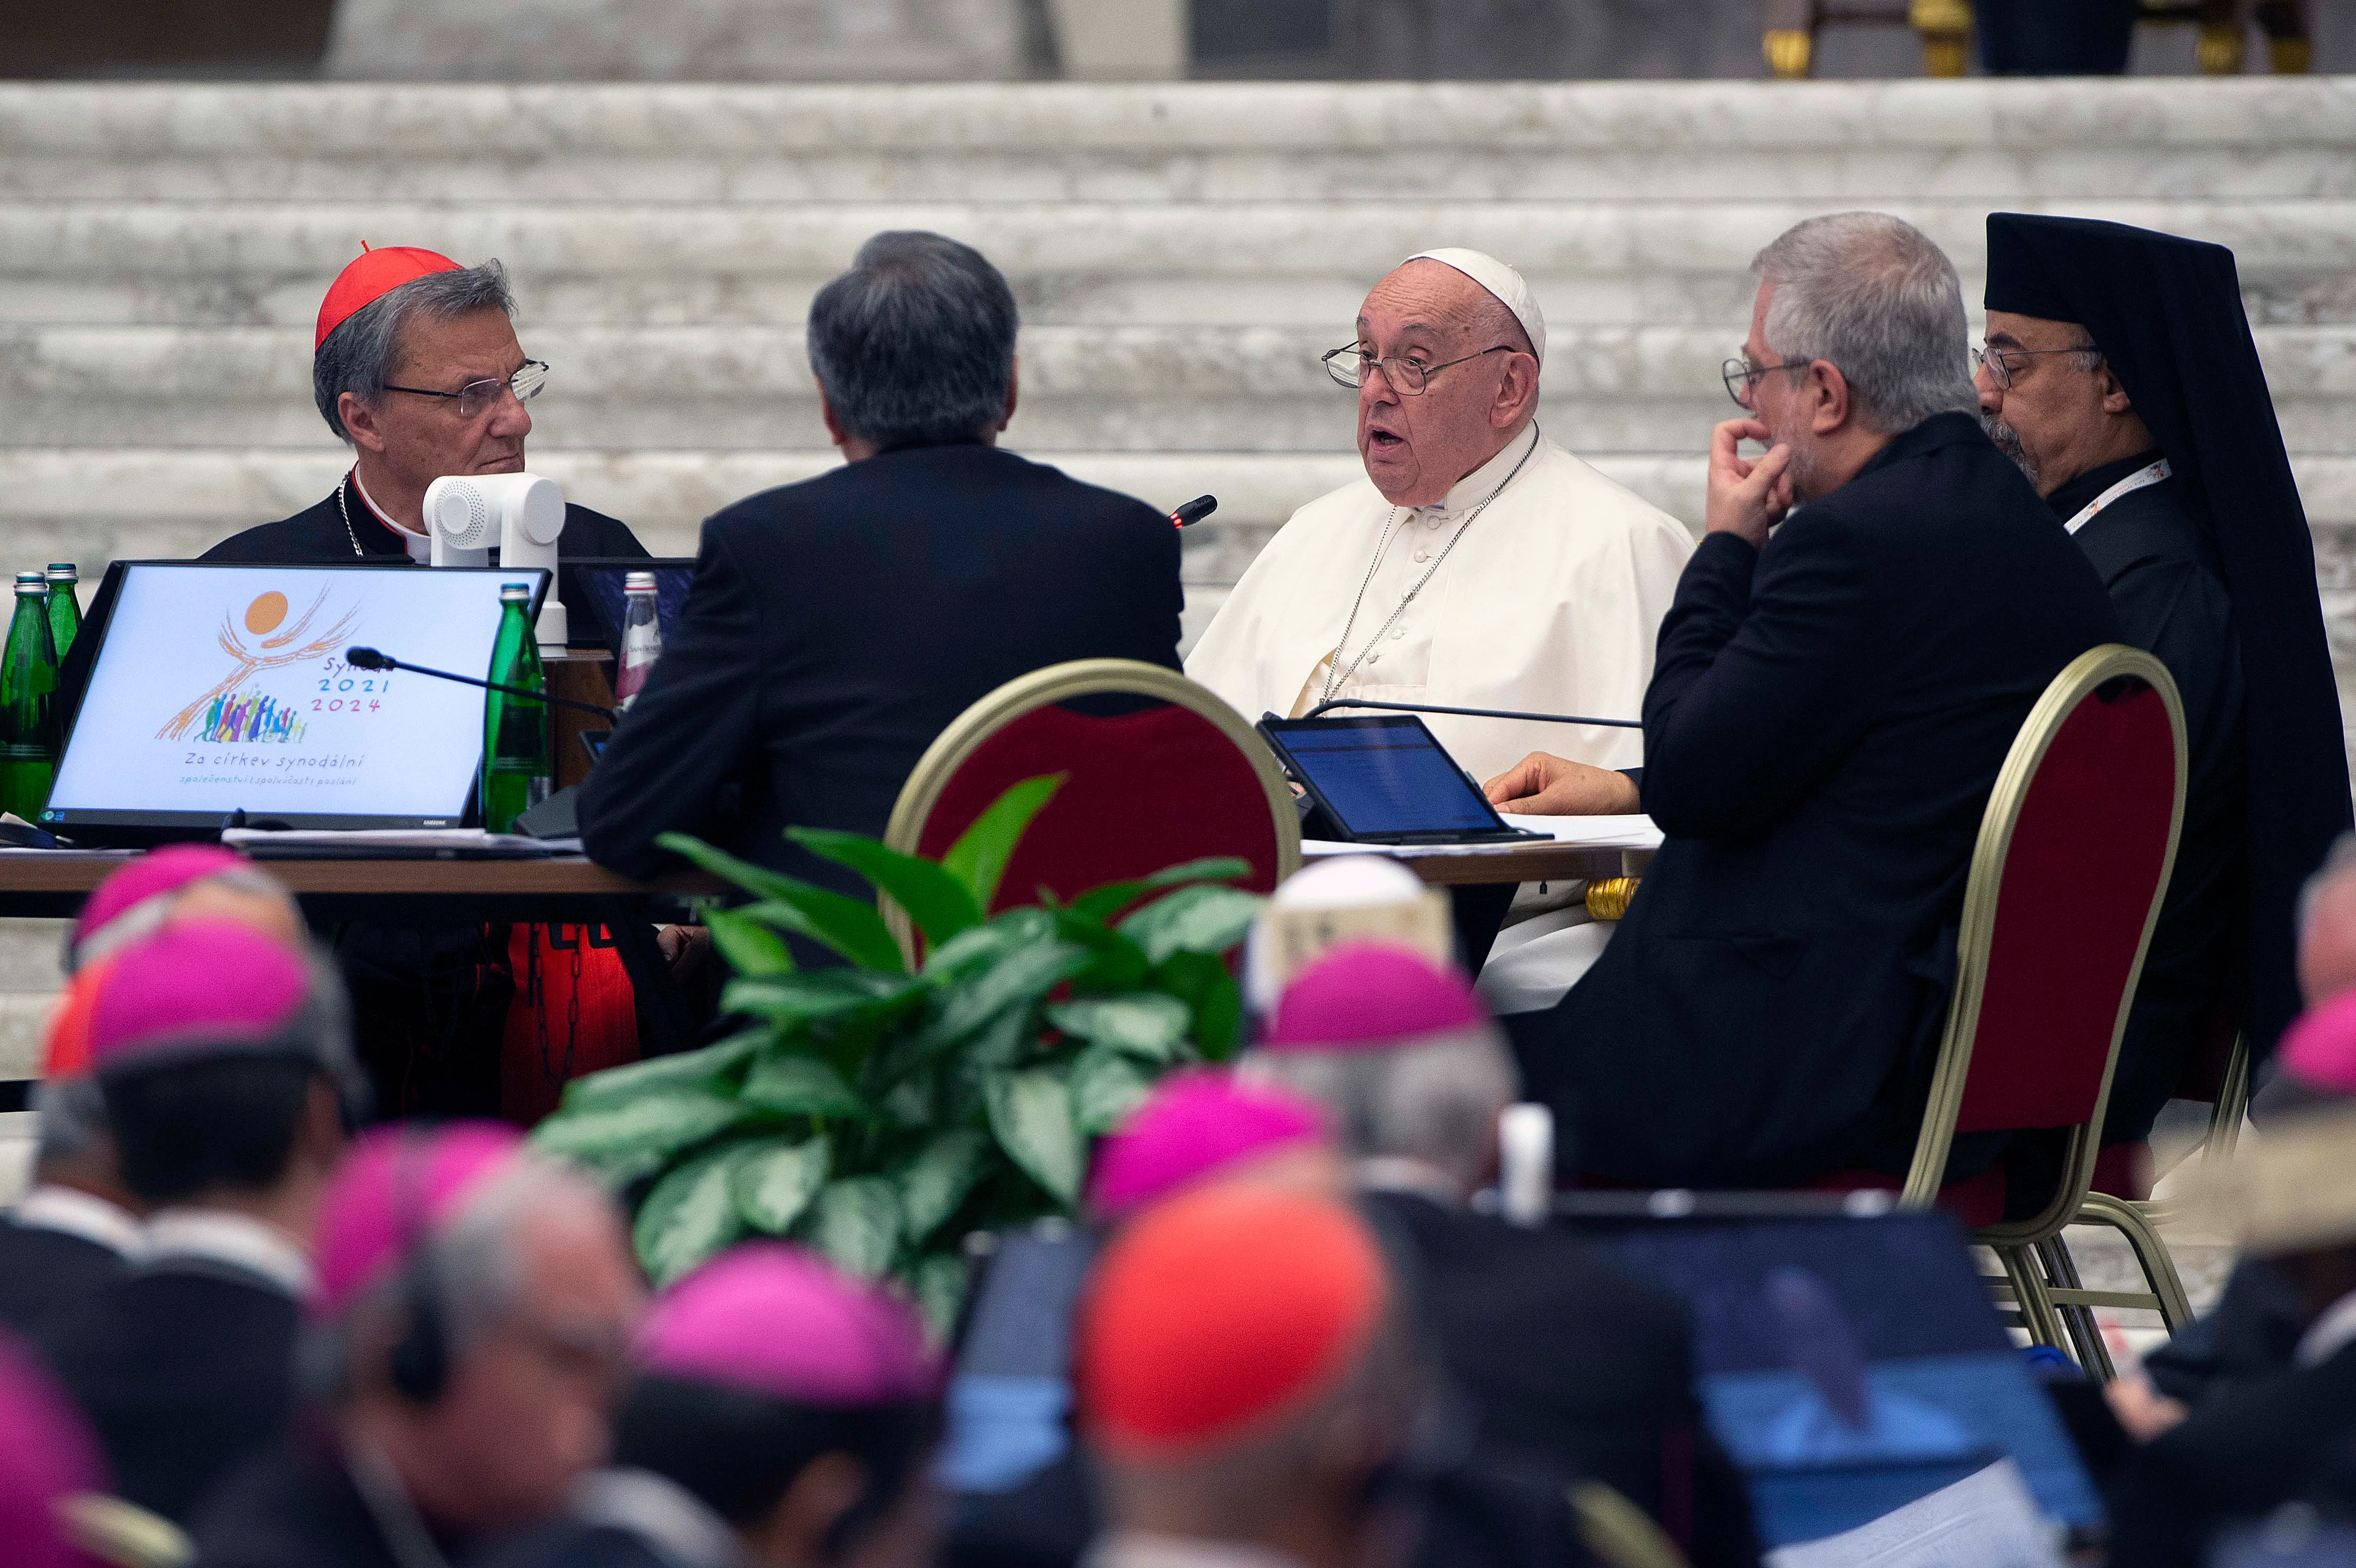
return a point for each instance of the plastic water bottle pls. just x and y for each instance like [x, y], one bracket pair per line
[64, 607]
[641, 637]
[519, 752]
[29, 739]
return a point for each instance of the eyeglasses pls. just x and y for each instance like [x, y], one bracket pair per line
[1406, 377]
[1740, 376]
[476, 397]
[2002, 368]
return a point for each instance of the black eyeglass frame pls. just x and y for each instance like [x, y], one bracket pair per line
[489, 389]
[1423, 374]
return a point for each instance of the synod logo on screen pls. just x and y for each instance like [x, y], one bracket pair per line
[233, 712]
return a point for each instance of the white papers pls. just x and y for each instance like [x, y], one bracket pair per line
[1987, 1519]
[1634, 831]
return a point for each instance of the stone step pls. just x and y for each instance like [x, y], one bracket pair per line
[1631, 262]
[509, 126]
[1083, 388]
[1848, 175]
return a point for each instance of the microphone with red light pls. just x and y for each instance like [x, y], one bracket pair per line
[1193, 511]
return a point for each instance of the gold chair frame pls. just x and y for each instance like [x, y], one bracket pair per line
[2021, 1246]
[1060, 683]
[2138, 1222]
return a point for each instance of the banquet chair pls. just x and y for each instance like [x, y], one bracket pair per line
[1157, 770]
[2074, 850]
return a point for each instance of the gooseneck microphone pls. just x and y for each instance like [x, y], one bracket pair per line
[1193, 511]
[370, 659]
[1473, 712]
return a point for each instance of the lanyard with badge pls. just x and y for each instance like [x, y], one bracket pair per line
[2142, 478]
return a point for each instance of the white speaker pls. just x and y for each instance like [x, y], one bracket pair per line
[521, 514]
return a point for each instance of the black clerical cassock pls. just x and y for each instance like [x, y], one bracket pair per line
[2212, 569]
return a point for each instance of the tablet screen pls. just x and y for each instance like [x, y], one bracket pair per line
[220, 689]
[1384, 775]
[1894, 1309]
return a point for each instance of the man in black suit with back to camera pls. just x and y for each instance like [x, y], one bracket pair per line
[1829, 710]
[836, 626]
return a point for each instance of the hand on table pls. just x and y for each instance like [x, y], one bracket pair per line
[685, 948]
[1747, 496]
[1543, 786]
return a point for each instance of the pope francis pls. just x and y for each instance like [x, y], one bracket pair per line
[1477, 564]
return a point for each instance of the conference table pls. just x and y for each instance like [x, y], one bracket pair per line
[572, 889]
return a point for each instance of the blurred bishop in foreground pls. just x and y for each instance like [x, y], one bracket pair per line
[1478, 563]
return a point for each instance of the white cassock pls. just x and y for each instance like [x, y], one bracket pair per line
[1549, 601]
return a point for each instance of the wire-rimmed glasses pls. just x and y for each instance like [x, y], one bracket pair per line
[1406, 377]
[476, 397]
[1998, 362]
[1741, 376]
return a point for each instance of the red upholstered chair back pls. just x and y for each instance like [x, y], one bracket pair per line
[1179, 776]
[2073, 854]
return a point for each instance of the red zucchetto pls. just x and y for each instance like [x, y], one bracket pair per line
[1218, 1313]
[375, 274]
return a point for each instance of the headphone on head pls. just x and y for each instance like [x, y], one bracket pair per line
[419, 1365]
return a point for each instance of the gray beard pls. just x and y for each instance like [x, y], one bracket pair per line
[2008, 441]
[1803, 467]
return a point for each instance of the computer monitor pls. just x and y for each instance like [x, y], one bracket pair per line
[216, 690]
[598, 623]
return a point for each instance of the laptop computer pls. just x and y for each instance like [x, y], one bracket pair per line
[219, 690]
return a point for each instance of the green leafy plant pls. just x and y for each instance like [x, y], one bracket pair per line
[878, 1113]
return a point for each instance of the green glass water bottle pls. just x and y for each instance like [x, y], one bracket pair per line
[64, 607]
[28, 704]
[519, 752]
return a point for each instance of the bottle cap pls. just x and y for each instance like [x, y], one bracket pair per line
[63, 571]
[638, 582]
[32, 582]
[514, 593]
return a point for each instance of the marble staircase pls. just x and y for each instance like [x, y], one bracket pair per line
[1181, 252]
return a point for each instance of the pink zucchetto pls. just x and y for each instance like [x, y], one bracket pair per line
[47, 1456]
[201, 989]
[397, 1186]
[1192, 1124]
[158, 873]
[2318, 1050]
[1371, 996]
[773, 1320]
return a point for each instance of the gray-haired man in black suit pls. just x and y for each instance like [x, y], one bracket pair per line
[836, 626]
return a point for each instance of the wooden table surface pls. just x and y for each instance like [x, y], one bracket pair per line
[559, 876]
[78, 871]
